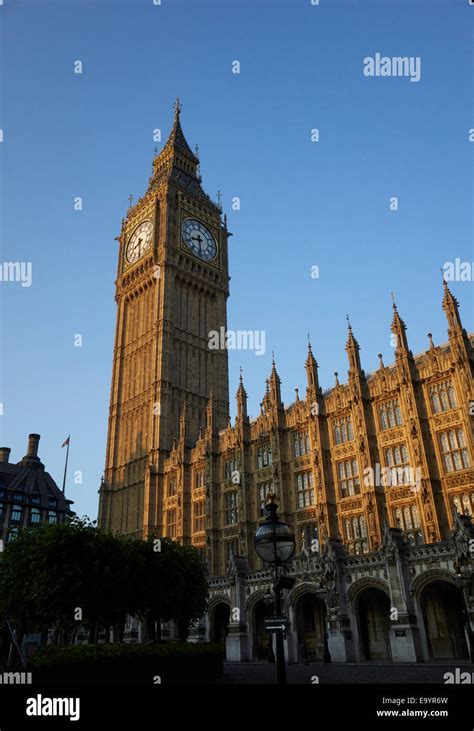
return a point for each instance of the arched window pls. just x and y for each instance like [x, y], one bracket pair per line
[383, 418]
[337, 434]
[457, 505]
[363, 527]
[397, 457]
[343, 432]
[398, 415]
[399, 518]
[350, 433]
[348, 529]
[355, 527]
[408, 522]
[444, 399]
[390, 417]
[452, 397]
[435, 402]
[416, 516]
[466, 504]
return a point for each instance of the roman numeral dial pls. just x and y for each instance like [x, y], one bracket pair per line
[198, 239]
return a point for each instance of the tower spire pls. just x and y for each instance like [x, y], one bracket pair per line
[352, 349]
[399, 331]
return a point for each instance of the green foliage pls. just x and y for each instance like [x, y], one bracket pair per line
[52, 656]
[50, 570]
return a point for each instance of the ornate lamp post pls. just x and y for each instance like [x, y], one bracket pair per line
[275, 544]
[463, 578]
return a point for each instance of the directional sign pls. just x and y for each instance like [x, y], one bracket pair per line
[276, 624]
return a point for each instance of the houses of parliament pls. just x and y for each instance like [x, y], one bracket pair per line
[374, 475]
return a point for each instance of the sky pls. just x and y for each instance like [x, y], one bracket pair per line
[319, 234]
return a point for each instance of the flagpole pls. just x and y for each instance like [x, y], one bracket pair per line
[65, 465]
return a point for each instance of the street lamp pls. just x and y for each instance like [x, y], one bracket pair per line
[275, 544]
[463, 576]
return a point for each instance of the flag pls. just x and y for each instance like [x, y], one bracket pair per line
[65, 443]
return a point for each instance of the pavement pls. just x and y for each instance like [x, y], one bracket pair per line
[343, 673]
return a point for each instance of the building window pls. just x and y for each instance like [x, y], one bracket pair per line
[343, 431]
[397, 456]
[199, 516]
[199, 478]
[171, 523]
[390, 415]
[17, 514]
[52, 516]
[12, 534]
[464, 504]
[52, 502]
[348, 477]
[301, 443]
[264, 456]
[453, 450]
[230, 510]
[408, 520]
[35, 516]
[355, 533]
[264, 490]
[304, 489]
[35, 500]
[230, 467]
[443, 397]
[171, 486]
[309, 538]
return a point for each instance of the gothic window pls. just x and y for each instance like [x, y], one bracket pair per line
[348, 477]
[264, 456]
[264, 490]
[230, 467]
[230, 510]
[443, 397]
[300, 443]
[453, 449]
[435, 403]
[171, 486]
[343, 431]
[348, 529]
[171, 523]
[199, 478]
[304, 489]
[396, 456]
[457, 505]
[390, 415]
[198, 516]
[466, 504]
[408, 520]
[356, 535]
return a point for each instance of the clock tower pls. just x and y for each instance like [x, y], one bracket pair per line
[171, 293]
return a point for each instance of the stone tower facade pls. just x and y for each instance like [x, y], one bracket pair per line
[171, 291]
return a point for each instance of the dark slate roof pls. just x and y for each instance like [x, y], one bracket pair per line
[30, 478]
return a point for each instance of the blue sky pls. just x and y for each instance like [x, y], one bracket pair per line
[304, 204]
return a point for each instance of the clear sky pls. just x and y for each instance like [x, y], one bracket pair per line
[304, 204]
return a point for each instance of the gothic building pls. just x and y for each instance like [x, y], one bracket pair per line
[374, 475]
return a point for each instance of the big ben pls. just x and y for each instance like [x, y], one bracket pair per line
[171, 292]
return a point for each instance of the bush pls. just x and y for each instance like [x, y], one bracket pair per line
[124, 664]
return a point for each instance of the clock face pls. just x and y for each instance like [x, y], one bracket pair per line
[199, 239]
[139, 241]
